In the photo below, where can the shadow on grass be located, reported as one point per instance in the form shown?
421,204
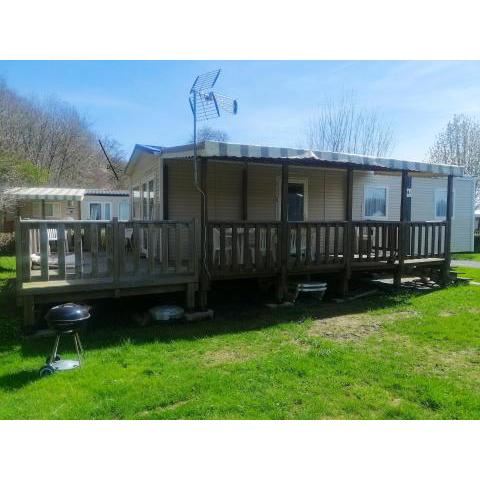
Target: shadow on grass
238,308
18,380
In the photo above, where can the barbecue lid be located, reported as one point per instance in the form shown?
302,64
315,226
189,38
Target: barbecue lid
68,312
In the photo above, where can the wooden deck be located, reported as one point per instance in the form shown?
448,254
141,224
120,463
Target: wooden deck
72,260
60,261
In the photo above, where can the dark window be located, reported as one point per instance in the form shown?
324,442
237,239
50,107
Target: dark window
296,202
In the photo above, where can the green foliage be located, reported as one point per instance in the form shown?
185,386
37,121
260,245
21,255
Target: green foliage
32,174
20,171
396,357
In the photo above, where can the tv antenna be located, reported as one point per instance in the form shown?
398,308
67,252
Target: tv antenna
207,104
110,164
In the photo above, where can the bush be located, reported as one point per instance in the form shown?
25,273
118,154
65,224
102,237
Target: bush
7,243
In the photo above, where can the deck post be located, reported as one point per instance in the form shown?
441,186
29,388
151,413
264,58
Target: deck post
18,259
283,285
28,312
190,297
245,193
203,233
348,234
117,244
165,191
402,237
448,231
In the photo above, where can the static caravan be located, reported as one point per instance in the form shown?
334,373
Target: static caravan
247,211
71,203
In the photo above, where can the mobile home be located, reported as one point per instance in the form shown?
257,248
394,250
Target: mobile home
246,211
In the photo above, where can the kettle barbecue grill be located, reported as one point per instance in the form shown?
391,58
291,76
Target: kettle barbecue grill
65,319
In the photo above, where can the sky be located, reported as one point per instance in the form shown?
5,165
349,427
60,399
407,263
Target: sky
147,101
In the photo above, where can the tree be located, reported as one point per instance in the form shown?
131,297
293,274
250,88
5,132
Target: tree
459,144
208,133
341,126
54,137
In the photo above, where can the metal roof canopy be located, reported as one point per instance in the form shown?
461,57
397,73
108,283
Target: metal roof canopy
262,154
47,193
107,193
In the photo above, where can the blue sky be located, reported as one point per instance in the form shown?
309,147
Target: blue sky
146,102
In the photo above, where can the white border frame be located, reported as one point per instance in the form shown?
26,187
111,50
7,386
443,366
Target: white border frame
129,210
387,203
435,193
102,210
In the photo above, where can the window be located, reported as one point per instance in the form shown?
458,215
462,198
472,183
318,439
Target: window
124,210
375,202
136,202
296,202
100,211
151,194
95,211
107,213
441,203
52,210
144,201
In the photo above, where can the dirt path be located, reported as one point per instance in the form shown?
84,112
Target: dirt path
465,263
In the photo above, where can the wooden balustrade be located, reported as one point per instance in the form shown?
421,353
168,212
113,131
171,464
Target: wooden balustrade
374,241
245,247
315,243
425,239
108,250
119,251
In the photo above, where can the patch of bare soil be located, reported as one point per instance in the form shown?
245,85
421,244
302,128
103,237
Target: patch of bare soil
219,357
354,326
446,313
165,408
442,362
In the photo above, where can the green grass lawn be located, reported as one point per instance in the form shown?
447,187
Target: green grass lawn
388,357
467,272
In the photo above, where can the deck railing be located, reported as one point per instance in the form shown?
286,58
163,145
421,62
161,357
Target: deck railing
110,250
234,248
243,247
425,239
130,252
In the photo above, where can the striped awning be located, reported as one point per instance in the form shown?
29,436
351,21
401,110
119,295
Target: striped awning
47,193
225,150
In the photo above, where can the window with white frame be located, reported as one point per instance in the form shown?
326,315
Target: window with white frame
375,202
145,201
100,211
136,200
441,203
124,210
151,199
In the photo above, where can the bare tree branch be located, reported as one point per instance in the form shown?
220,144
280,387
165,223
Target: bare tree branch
340,126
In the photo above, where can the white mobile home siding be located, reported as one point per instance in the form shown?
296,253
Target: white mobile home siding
423,202
114,201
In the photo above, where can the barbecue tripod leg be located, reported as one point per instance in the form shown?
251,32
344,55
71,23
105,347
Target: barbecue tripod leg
78,346
55,348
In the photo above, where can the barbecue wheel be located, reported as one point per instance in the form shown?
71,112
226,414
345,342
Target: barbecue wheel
46,370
